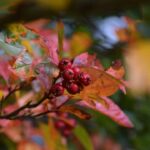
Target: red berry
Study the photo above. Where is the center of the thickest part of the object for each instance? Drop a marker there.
(116, 64)
(66, 132)
(76, 71)
(57, 89)
(72, 122)
(73, 88)
(68, 74)
(64, 63)
(84, 78)
(59, 124)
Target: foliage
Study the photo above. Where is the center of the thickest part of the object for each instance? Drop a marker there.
(43, 105)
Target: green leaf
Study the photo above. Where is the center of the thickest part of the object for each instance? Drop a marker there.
(60, 28)
(83, 137)
(52, 137)
(9, 49)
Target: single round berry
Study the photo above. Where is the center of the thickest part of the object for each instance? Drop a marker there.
(57, 89)
(76, 71)
(64, 63)
(59, 124)
(73, 88)
(72, 123)
(84, 78)
(116, 64)
(66, 132)
(68, 74)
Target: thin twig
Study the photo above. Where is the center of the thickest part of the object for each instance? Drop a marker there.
(28, 105)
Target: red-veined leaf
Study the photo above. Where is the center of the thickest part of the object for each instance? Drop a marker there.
(110, 109)
(85, 59)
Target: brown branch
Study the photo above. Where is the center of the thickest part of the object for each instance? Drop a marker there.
(14, 115)
(28, 105)
(4, 98)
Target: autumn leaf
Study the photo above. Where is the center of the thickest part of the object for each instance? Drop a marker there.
(75, 111)
(36, 25)
(137, 60)
(17, 30)
(52, 137)
(110, 109)
(28, 145)
(103, 84)
(118, 72)
(6, 71)
(85, 59)
(83, 137)
(80, 42)
(10, 49)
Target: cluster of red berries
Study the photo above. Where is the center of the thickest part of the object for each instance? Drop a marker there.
(73, 79)
(65, 128)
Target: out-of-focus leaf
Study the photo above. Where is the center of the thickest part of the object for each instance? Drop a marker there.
(52, 137)
(138, 62)
(17, 30)
(5, 70)
(83, 137)
(50, 42)
(12, 129)
(1, 94)
(48, 39)
(60, 28)
(36, 25)
(27, 45)
(117, 73)
(28, 145)
(80, 42)
(110, 109)
(85, 59)
(75, 111)
(9, 49)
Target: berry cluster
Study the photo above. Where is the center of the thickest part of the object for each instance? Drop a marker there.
(73, 79)
(65, 127)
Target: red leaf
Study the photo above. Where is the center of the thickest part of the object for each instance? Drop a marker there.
(85, 59)
(6, 71)
(110, 109)
(36, 25)
(50, 42)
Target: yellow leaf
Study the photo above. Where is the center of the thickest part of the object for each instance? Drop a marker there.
(28, 46)
(17, 30)
(137, 63)
(52, 137)
(1, 94)
(80, 42)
